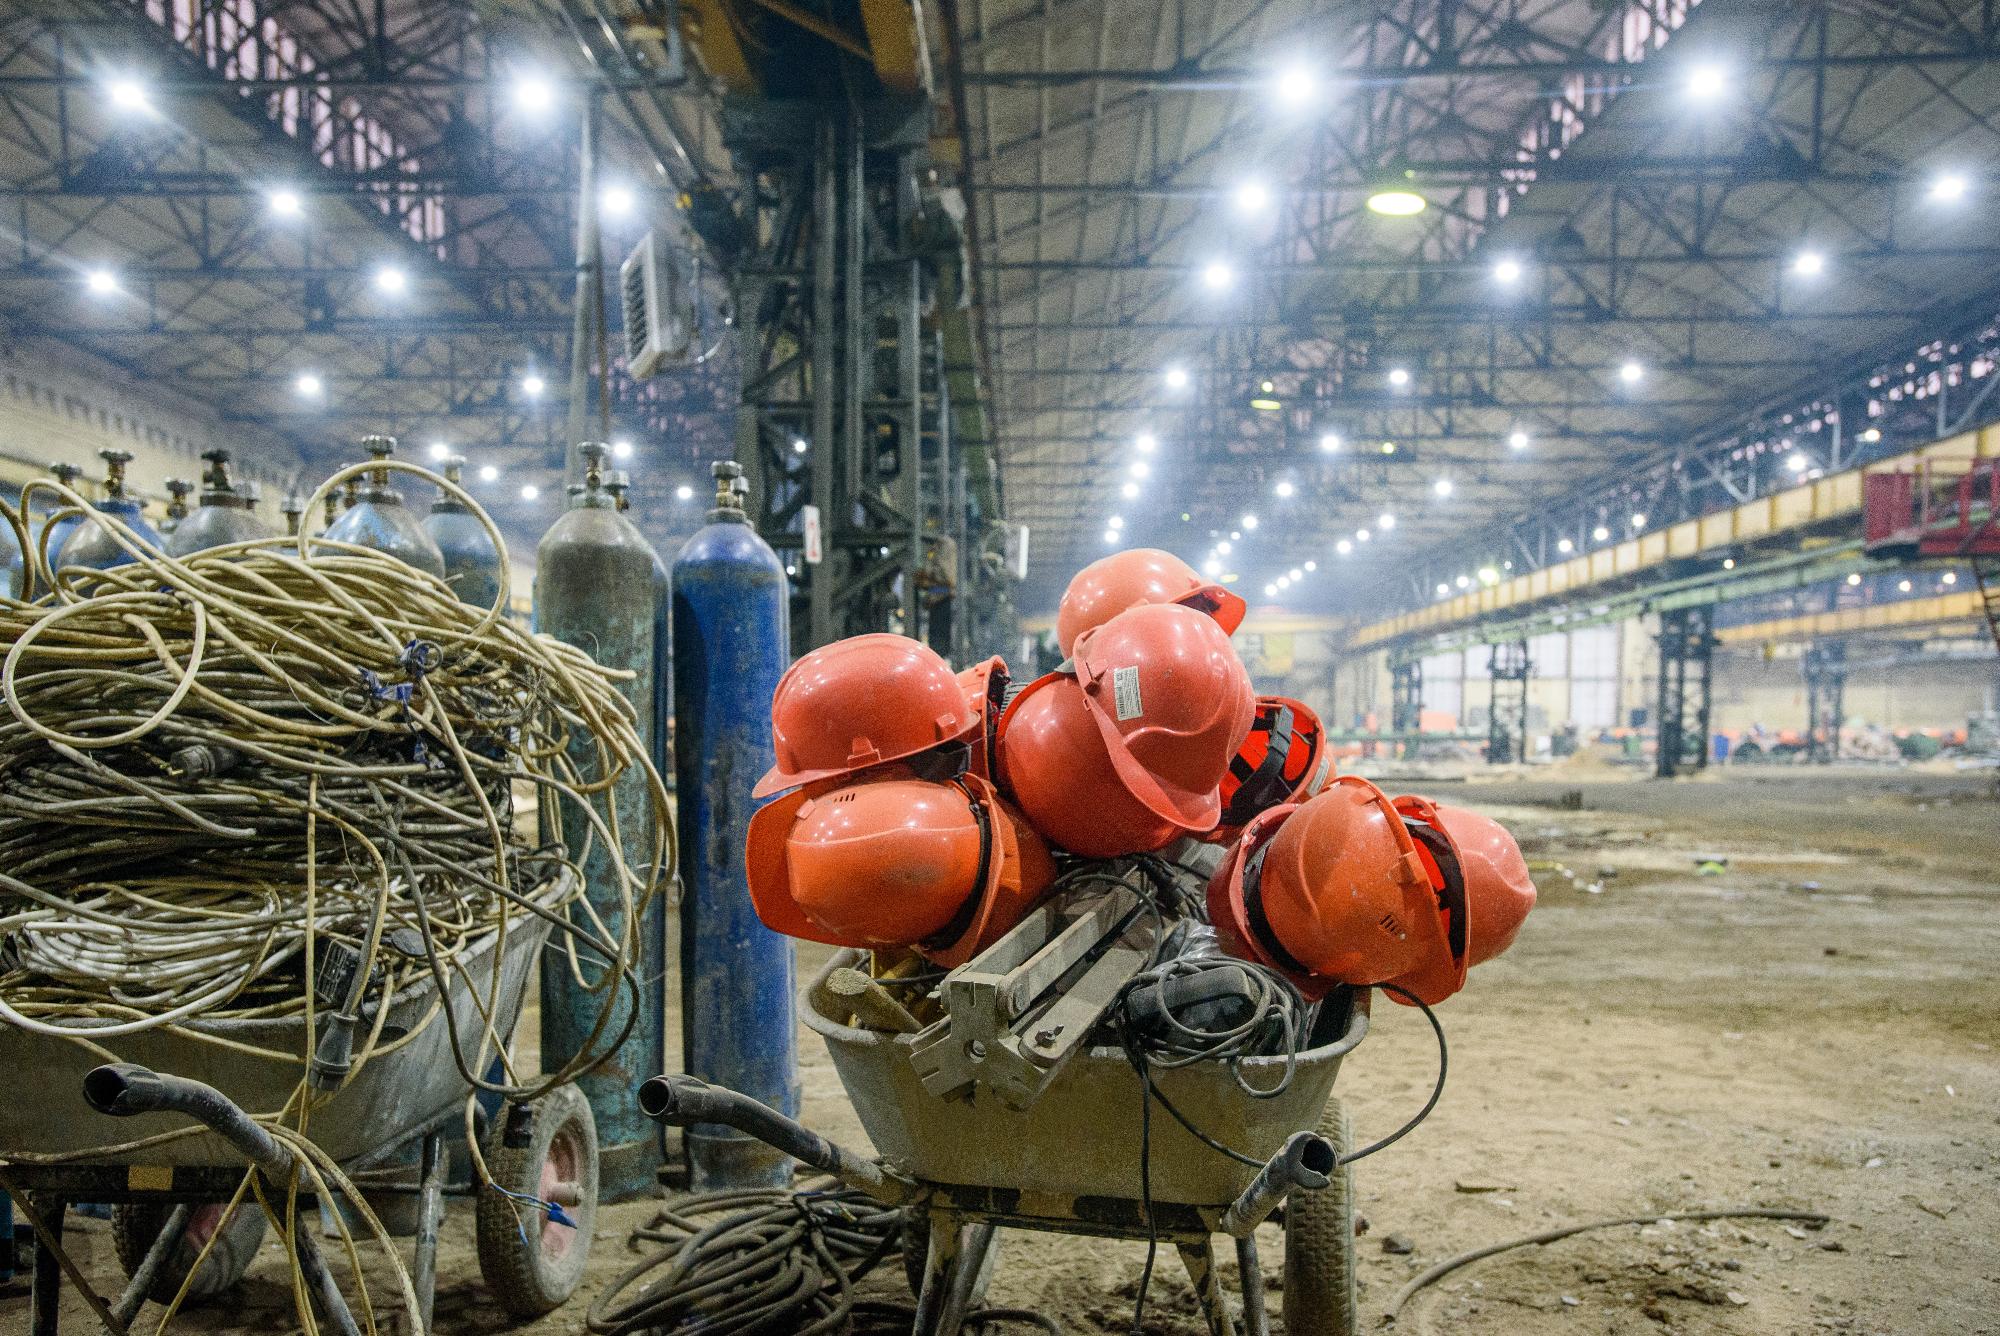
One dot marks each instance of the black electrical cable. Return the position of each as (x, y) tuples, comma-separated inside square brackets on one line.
[(767, 1261)]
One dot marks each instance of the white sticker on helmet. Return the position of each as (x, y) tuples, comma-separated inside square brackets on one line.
[(1125, 692)]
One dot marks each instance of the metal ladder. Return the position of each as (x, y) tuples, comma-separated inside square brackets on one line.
[(1986, 574)]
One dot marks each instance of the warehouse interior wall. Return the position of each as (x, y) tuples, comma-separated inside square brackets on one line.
[(1598, 676), (62, 403)]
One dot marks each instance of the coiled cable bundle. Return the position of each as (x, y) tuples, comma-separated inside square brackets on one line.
[(275, 778), (767, 1260), (209, 764)]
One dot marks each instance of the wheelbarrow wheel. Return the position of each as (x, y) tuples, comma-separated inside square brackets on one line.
[(136, 1225), (532, 1262), (1319, 1245)]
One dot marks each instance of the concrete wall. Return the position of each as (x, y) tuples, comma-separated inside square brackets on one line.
[(1763, 685), (1598, 676), (60, 404)]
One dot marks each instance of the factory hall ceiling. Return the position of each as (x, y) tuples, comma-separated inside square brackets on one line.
[(1640, 223), (1466, 266)]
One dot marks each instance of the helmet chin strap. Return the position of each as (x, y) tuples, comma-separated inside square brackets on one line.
[(1263, 786), (1449, 884), (961, 921), (1260, 925)]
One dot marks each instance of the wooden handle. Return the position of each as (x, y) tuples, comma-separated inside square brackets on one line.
[(850, 992)]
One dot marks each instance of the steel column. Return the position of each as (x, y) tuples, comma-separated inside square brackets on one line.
[(1687, 647)]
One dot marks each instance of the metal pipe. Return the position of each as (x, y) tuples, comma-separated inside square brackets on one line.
[(1250, 1282), (587, 292), (679, 1101), (141, 1284), (123, 1089), (1306, 1160)]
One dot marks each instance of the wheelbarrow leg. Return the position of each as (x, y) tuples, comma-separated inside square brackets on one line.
[(430, 1214), (957, 1254), (939, 1261), (45, 1303), (975, 1243), (1250, 1278), (1200, 1262), (148, 1270)]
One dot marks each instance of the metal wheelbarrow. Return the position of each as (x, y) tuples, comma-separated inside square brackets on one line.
[(1071, 1163), (166, 1198)]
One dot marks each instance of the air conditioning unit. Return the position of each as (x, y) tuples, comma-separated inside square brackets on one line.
[(658, 306)]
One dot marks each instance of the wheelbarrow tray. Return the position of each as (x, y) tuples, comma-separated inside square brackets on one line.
[(383, 1103), (1081, 1138)]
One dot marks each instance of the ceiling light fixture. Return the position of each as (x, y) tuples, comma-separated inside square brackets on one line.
[(1217, 276), (1442, 487), (1252, 197), (1177, 377), (1631, 373), (1285, 489), (532, 385), (1809, 264), (1507, 272), (309, 385), (1295, 85), (1146, 443), (1249, 521), (1329, 443), (1706, 82), (621, 449), (128, 94), (1397, 203), (1948, 188), (285, 202), (534, 94), (101, 281), (1517, 439)]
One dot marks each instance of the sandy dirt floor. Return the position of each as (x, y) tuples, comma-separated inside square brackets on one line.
[(1812, 1026)]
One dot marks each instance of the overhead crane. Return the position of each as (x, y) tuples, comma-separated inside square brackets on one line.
[(1938, 502)]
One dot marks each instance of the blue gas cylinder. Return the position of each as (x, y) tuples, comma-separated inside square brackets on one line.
[(58, 532), (594, 590), (380, 520), (13, 565), (730, 642), (91, 544), (471, 562)]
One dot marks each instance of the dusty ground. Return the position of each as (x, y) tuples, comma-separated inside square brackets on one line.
[(1815, 1027)]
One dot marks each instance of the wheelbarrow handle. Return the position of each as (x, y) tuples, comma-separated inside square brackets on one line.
[(123, 1089), (1306, 1160), (679, 1101)]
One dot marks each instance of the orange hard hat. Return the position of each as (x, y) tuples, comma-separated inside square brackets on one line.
[(1498, 890), (985, 686), (1173, 704), (1130, 579), (861, 702), (1329, 891), (895, 861), (1283, 760), (1051, 759)]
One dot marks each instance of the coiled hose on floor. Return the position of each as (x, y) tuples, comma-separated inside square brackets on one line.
[(767, 1260)]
